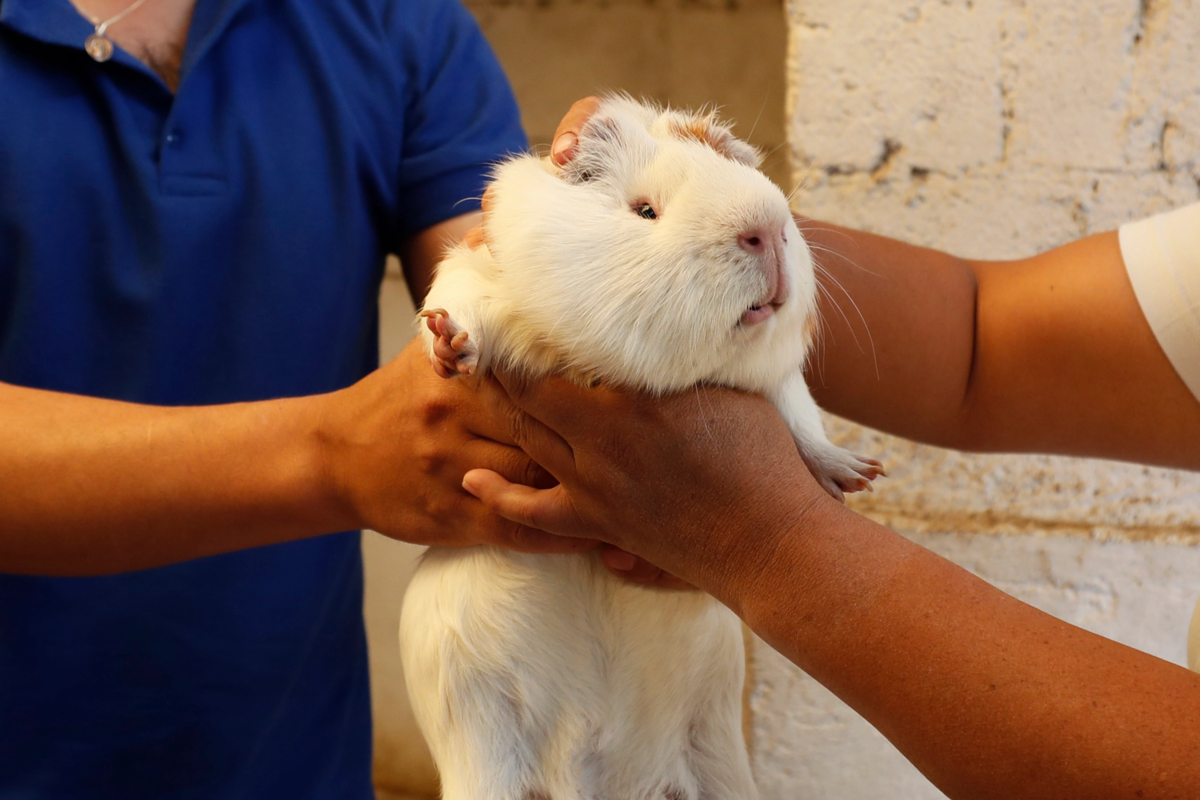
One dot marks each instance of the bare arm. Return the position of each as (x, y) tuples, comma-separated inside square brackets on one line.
[(95, 486), (989, 697), (1049, 354), (420, 254)]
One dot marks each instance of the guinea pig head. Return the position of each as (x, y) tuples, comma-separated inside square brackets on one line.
[(660, 257)]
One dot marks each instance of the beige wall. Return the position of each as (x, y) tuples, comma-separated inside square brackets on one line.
[(994, 129), (684, 52)]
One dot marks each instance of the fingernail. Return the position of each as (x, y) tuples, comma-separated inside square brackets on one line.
[(468, 483), (562, 147), (620, 560)]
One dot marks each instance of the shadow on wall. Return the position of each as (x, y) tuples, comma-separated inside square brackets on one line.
[(724, 53)]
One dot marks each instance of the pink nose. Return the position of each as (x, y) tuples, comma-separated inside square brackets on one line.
[(762, 240)]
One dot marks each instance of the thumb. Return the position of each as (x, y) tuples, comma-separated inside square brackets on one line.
[(549, 510)]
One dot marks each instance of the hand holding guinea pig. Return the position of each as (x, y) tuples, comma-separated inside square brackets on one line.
[(657, 258)]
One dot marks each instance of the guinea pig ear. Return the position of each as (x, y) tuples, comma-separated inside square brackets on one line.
[(708, 129), (604, 144)]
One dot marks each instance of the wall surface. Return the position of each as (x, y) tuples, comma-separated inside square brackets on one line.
[(993, 129), (692, 53)]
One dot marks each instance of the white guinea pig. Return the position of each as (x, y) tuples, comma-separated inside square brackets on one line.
[(660, 258)]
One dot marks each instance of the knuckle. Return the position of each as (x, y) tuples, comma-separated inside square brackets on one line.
[(519, 424), (428, 457), (434, 409), (531, 473)]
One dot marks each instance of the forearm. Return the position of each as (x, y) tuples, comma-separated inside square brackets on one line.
[(986, 695), (897, 333), (1050, 354), (95, 486)]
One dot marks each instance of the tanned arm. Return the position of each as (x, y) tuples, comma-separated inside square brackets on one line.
[(95, 486), (1050, 354)]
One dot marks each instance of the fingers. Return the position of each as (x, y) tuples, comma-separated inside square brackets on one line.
[(474, 237), (636, 570), (530, 540), (555, 401), (566, 137), (543, 444), (509, 462), (478, 236), (544, 509)]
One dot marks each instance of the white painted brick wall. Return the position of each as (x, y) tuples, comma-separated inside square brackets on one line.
[(993, 129)]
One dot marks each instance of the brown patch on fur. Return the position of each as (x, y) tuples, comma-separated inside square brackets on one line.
[(810, 329), (698, 128), (708, 131)]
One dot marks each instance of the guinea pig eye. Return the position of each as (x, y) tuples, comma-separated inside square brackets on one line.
[(645, 211)]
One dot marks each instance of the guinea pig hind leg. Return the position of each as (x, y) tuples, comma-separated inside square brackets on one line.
[(837, 470)]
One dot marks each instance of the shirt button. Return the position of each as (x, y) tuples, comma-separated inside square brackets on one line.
[(174, 138)]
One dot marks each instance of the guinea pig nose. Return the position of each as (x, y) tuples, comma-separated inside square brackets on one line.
[(761, 240)]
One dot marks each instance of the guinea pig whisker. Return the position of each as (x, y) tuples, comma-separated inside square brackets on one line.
[(822, 272), (761, 109), (703, 415)]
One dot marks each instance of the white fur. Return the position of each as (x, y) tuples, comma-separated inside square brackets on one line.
[(545, 677)]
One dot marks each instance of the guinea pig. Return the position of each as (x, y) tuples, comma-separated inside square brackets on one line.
[(659, 258)]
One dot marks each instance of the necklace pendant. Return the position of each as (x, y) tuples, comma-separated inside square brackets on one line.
[(99, 47)]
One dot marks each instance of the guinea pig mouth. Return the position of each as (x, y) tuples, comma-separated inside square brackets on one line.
[(756, 314), (765, 308)]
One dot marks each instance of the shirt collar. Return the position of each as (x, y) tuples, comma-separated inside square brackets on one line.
[(59, 22), (51, 21)]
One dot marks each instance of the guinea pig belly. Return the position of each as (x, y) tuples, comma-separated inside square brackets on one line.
[(549, 674)]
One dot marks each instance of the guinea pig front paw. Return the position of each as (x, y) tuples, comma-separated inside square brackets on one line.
[(841, 472), (454, 353)]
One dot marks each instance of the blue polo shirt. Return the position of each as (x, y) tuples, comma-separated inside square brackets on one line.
[(223, 244)]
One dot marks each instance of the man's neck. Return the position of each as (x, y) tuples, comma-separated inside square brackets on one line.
[(155, 33)]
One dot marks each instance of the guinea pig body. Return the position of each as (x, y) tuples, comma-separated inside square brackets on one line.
[(660, 258)]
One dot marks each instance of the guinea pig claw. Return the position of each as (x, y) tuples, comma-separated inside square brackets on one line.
[(841, 472), (453, 351)]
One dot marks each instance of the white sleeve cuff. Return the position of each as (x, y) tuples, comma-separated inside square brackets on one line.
[(1162, 256)]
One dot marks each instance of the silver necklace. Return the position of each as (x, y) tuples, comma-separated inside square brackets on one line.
[(98, 45)]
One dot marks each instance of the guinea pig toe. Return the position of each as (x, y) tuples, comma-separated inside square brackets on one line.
[(453, 351), (841, 472), (861, 472), (870, 469), (436, 319)]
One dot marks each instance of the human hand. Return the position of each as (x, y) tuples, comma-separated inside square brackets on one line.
[(566, 136), (396, 445), (703, 484), (562, 150)]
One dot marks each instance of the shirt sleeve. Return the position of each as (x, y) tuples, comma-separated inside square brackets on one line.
[(1162, 256), (460, 116)]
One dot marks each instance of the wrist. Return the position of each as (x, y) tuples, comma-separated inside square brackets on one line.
[(814, 572), (323, 441), (769, 562)]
